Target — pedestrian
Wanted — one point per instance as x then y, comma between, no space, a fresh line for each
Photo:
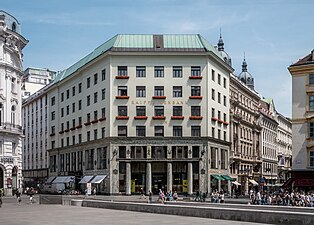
0,201
142,193
94,191
150,197
18,197
175,196
31,193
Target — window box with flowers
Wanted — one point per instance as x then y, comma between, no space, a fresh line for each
177,117
225,123
140,117
195,77
214,119
95,121
122,117
159,117
67,130
196,117
122,97
196,97
122,77
87,123
159,97
72,128
102,119
61,132
53,134
220,121
78,127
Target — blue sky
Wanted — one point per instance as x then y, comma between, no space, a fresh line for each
272,33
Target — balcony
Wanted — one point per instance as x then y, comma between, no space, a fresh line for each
72,128
102,119
87,123
122,117
159,97
195,77
195,117
159,117
195,97
67,130
122,77
220,121
225,123
94,121
79,126
177,117
140,117
122,97
214,119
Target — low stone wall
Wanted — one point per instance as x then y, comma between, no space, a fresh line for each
247,215
50,199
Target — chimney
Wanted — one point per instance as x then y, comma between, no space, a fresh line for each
312,52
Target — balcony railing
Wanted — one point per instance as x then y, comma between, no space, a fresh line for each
159,97
122,77
195,77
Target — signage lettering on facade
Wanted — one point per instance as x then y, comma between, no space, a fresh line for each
158,103
7,159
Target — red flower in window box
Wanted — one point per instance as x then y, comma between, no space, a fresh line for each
196,97
122,77
159,117
95,121
177,117
196,117
159,97
87,123
220,121
61,132
140,117
122,117
67,130
72,128
102,119
122,97
195,77
225,123
78,127
214,119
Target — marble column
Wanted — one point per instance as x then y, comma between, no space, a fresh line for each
148,177
246,186
169,176
128,179
190,178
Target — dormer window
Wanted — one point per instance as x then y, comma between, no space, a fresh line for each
14,26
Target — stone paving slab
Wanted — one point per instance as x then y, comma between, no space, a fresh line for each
35,214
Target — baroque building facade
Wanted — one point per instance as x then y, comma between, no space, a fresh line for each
11,72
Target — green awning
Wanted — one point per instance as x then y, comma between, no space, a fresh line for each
217,177
226,177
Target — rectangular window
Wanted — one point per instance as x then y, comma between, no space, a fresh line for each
311,158
122,131
62,97
195,131
95,115
140,131
177,91
213,161
159,111
177,71
311,130
195,110
311,102
159,131
95,78
79,87
140,91
177,110
88,136
213,94
88,82
88,117
68,93
73,123
213,75
73,140
122,70
80,138
159,91
53,115
213,112
140,110
219,134
213,132
225,82
103,93
223,156
225,136
103,113
80,104
159,71
53,130
68,109
95,134
73,91
219,97
311,79
219,78
225,100
62,126
68,125
195,91
122,110
73,107
95,97
140,71
122,91
53,101
219,115
195,71
177,131
103,132
80,121
103,74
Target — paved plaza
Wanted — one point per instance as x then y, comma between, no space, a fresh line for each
34,214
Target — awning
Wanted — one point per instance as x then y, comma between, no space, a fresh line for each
64,179
253,182
236,183
217,177
226,177
49,180
98,179
85,179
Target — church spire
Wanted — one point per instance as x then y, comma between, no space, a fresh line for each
220,43
244,65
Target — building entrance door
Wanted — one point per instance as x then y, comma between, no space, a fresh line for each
159,182
1,178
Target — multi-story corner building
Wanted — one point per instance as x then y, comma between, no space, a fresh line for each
284,147
35,123
269,142
143,111
245,132
11,72
34,79
303,122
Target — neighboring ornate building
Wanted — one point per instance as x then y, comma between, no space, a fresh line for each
302,73
11,73
245,132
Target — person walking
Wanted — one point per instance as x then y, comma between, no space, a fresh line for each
18,197
31,193
150,197
142,193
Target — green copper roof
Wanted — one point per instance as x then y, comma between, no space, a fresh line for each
267,100
143,42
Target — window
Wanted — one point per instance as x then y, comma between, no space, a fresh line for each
311,103
140,91
159,91
219,78
177,71
159,111
122,70
225,117
219,114
53,101
311,79
140,131
219,134
213,154
311,130
68,93
195,91
225,100
73,91
95,134
68,125
177,131
62,126
88,100
79,87
225,82
122,110
103,132
53,130
213,112
177,110
95,115
177,91
73,140
103,113
213,75
53,115
213,94
103,93
140,110
88,82
195,131
88,117
219,97
159,131
103,74
88,136
80,121
122,91
159,71
225,136
140,71
68,109
80,138
122,131
73,107
95,78
80,104
62,97
62,112
195,110
195,71
95,97
311,158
